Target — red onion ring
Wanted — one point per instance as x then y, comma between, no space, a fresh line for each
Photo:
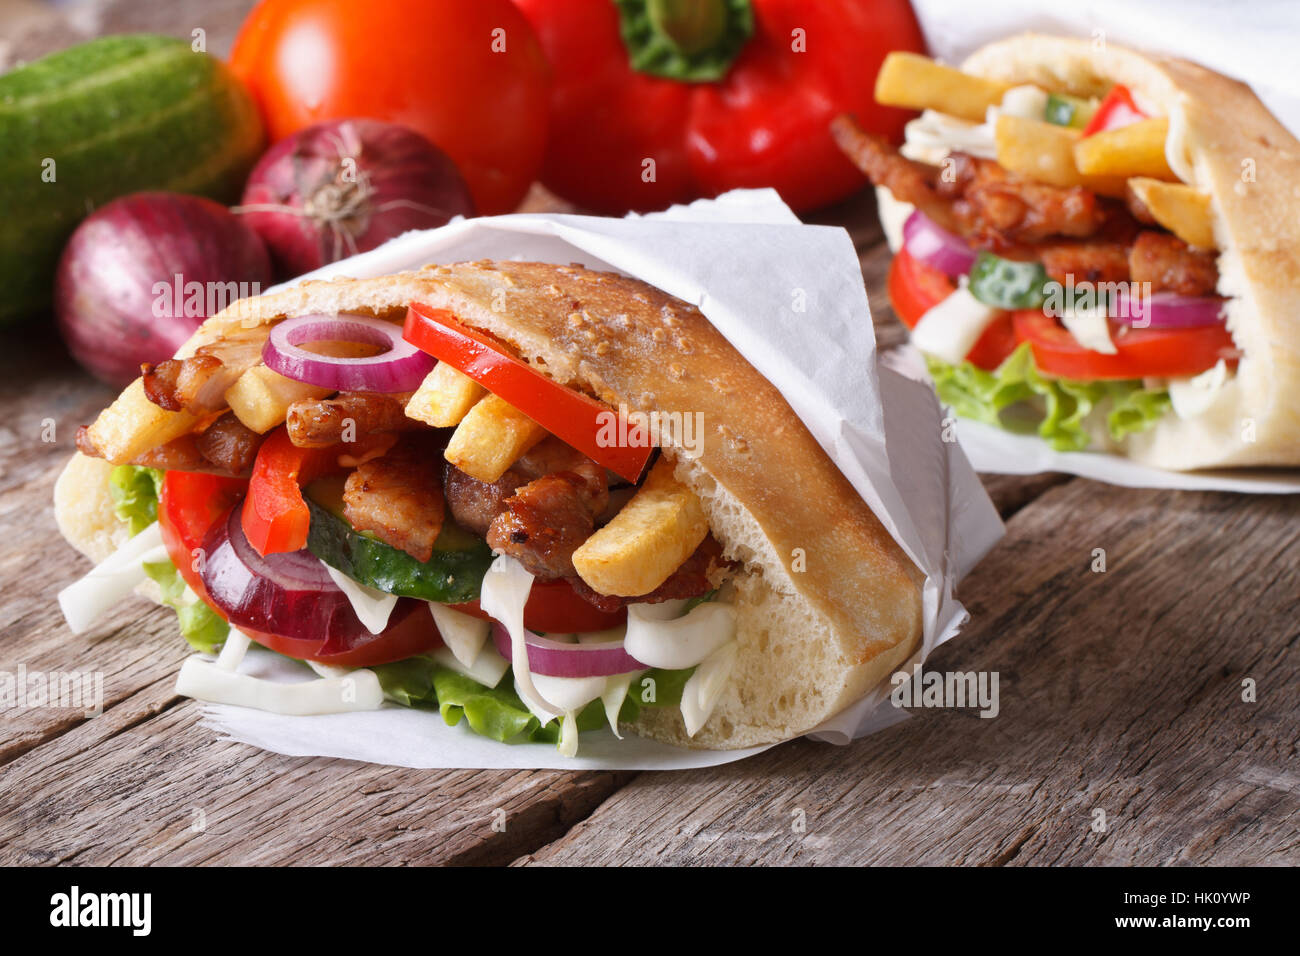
1167,310
557,659
930,244
401,368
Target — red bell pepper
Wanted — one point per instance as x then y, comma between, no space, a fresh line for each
574,418
1115,110
275,516
660,101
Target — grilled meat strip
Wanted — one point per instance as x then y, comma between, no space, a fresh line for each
198,384
974,197
226,447
546,519
398,497
1077,235
317,423
688,581
1171,265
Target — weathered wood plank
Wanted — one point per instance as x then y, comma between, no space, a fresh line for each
1120,692
147,784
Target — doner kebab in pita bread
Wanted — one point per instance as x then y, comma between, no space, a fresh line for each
541,498
1097,245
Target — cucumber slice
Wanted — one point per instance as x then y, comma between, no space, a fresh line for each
1064,110
454,574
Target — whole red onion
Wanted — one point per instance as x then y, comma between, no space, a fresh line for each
140,274
346,186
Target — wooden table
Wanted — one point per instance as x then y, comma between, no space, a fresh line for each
1123,735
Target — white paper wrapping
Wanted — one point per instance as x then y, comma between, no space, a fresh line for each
749,265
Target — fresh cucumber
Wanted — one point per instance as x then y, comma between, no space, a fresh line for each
454,573
103,119
1064,110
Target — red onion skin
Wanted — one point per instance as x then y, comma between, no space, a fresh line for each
400,166
104,295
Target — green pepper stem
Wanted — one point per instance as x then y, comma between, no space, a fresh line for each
690,40
692,26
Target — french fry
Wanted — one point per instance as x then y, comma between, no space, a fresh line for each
1044,152
1134,150
444,397
133,425
648,539
1182,210
917,82
491,437
260,398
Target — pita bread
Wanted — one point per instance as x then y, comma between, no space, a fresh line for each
828,604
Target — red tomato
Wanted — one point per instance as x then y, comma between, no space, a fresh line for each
1158,353
571,416
189,504
914,289
470,76
555,608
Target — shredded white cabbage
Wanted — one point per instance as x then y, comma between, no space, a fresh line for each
1090,328
373,607
488,667
704,687
678,643
504,594
950,330
463,633
206,680
85,601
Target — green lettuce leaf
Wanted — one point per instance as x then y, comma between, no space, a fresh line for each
1016,397
135,495
200,625
497,712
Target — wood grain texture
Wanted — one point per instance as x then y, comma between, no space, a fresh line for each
147,784
1120,692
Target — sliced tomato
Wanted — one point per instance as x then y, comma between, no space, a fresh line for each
188,505
1115,110
555,608
588,425
1140,353
915,288
275,517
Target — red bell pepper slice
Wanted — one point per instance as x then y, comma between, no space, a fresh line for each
275,516
574,418
1116,109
